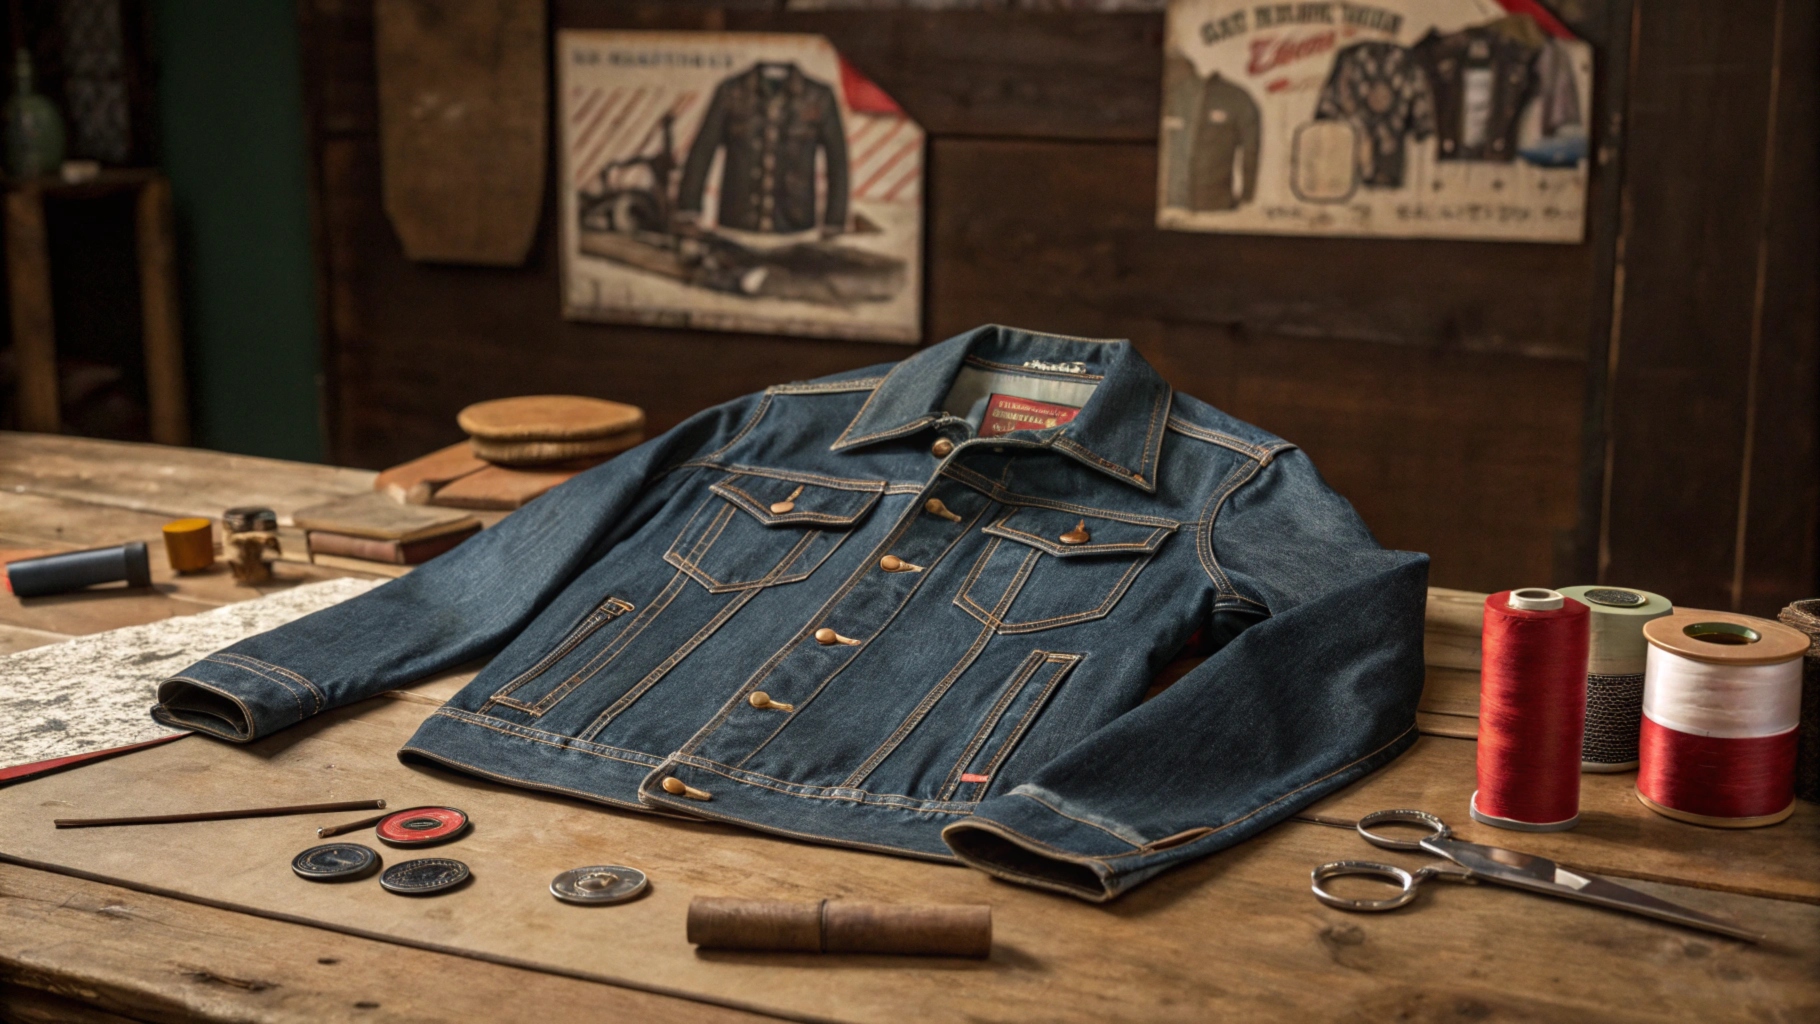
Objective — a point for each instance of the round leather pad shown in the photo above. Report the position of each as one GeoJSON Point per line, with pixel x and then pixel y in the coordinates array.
{"type": "Point", "coordinates": [549, 418]}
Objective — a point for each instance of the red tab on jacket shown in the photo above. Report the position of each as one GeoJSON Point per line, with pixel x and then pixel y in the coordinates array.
{"type": "Point", "coordinates": [1005, 413]}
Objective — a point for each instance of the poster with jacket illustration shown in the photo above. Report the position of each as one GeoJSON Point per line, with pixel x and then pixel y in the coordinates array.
{"type": "Point", "coordinates": [1389, 118]}
{"type": "Point", "coordinates": [736, 181]}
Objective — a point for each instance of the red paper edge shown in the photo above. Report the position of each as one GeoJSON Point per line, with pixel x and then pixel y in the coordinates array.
{"type": "Point", "coordinates": [25, 771]}
{"type": "Point", "coordinates": [863, 95]}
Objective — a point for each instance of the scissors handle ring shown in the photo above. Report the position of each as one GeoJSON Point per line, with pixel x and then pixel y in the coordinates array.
{"type": "Point", "coordinates": [1388, 872]}
{"type": "Point", "coordinates": [1438, 828]}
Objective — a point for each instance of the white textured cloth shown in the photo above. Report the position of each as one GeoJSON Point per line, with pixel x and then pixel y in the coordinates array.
{"type": "Point", "coordinates": [92, 693]}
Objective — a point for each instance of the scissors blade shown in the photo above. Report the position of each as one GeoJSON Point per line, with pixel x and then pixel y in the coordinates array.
{"type": "Point", "coordinates": [1541, 875]}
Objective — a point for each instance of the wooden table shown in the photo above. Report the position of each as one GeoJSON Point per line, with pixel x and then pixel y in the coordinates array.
{"type": "Point", "coordinates": [1235, 935]}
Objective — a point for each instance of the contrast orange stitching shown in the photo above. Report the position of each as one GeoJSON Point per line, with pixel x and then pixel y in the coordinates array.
{"type": "Point", "coordinates": [1064, 667]}
{"type": "Point", "coordinates": [1104, 608]}
{"type": "Point", "coordinates": [825, 387]}
{"type": "Point", "coordinates": [1015, 685]}
{"type": "Point", "coordinates": [800, 477]}
{"type": "Point", "coordinates": [1261, 807]}
{"type": "Point", "coordinates": [608, 654]}
{"type": "Point", "coordinates": [923, 707]}
{"type": "Point", "coordinates": [757, 414]}
{"type": "Point", "coordinates": [1070, 817]}
{"type": "Point", "coordinates": [905, 522]}
{"type": "Point", "coordinates": [998, 493]}
{"type": "Point", "coordinates": [1239, 477]}
{"type": "Point", "coordinates": [290, 691]}
{"type": "Point", "coordinates": [315, 691]}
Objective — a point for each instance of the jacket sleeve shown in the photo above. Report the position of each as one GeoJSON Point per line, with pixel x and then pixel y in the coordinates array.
{"type": "Point", "coordinates": [1319, 689]}
{"type": "Point", "coordinates": [708, 138]}
{"type": "Point", "coordinates": [834, 148]}
{"type": "Point", "coordinates": [464, 605]}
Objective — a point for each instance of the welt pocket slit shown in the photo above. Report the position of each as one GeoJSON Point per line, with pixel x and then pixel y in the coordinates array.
{"type": "Point", "coordinates": [608, 610]}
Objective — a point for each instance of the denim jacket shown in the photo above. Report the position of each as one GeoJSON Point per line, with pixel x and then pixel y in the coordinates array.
{"type": "Point", "coordinates": [833, 611]}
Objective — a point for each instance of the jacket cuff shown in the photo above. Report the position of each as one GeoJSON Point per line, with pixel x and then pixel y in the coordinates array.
{"type": "Point", "coordinates": [1022, 839]}
{"type": "Point", "coordinates": [236, 698]}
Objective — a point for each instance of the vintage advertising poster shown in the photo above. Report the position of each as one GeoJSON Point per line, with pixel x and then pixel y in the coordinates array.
{"type": "Point", "coordinates": [736, 181]}
{"type": "Point", "coordinates": [1391, 118]}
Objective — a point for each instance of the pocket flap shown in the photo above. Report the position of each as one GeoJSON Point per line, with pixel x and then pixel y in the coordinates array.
{"type": "Point", "coordinates": [781, 501]}
{"type": "Point", "coordinates": [1074, 535]}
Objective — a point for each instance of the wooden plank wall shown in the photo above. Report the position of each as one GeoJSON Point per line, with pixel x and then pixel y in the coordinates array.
{"type": "Point", "coordinates": [1458, 393]}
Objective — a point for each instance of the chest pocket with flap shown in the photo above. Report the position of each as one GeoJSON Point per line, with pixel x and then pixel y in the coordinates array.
{"type": "Point", "coordinates": [1030, 578]}
{"type": "Point", "coordinates": [763, 531]}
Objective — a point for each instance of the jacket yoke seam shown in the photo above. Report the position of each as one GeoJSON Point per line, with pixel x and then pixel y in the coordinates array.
{"type": "Point", "coordinates": [999, 493]}
{"type": "Point", "coordinates": [1240, 475]}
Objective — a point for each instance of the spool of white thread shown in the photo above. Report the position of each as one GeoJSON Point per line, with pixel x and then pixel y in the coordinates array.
{"type": "Point", "coordinates": [1616, 656]}
{"type": "Point", "coordinates": [1721, 703]}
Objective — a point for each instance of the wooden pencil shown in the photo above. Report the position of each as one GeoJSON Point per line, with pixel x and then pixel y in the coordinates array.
{"type": "Point", "coordinates": [244, 812]}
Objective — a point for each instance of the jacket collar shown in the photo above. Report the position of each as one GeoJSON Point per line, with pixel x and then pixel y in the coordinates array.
{"type": "Point", "coordinates": [1118, 432]}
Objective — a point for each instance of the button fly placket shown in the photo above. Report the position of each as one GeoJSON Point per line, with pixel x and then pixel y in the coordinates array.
{"type": "Point", "coordinates": [864, 607]}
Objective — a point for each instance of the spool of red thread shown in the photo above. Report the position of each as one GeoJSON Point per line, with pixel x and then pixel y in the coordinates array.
{"type": "Point", "coordinates": [1532, 710]}
{"type": "Point", "coordinates": [1721, 711]}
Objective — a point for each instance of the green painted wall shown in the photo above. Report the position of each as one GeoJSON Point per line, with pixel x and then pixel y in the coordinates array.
{"type": "Point", "coordinates": [231, 135]}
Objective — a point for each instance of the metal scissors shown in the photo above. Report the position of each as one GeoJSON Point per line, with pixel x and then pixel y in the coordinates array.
{"type": "Point", "coordinates": [1471, 862]}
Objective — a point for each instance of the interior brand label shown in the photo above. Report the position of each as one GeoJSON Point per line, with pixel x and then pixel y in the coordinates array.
{"type": "Point", "coordinates": [1005, 413]}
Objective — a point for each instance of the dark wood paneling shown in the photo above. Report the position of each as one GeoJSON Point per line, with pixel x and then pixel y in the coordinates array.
{"type": "Point", "coordinates": [1061, 236]}
{"type": "Point", "coordinates": [1409, 371]}
{"type": "Point", "coordinates": [1442, 386]}
{"type": "Point", "coordinates": [1700, 228]}
{"type": "Point", "coordinates": [975, 73]}
{"type": "Point", "coordinates": [1778, 562]}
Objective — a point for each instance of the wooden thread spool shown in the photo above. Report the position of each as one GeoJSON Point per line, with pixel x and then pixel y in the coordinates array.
{"type": "Point", "coordinates": [1615, 659]}
{"type": "Point", "coordinates": [1721, 706]}
{"type": "Point", "coordinates": [190, 544]}
{"type": "Point", "coordinates": [1805, 616]}
{"type": "Point", "coordinates": [831, 926]}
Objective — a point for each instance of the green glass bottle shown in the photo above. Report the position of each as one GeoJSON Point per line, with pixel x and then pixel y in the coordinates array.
{"type": "Point", "coordinates": [34, 129]}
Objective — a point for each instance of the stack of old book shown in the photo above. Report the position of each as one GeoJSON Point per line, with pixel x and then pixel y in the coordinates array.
{"type": "Point", "coordinates": [374, 534]}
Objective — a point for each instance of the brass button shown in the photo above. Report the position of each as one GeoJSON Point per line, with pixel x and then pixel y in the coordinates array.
{"type": "Point", "coordinates": [761, 699]}
{"type": "Point", "coordinates": [778, 508]}
{"type": "Point", "coordinates": [1078, 535]}
{"type": "Point", "coordinates": [935, 507]}
{"type": "Point", "coordinates": [891, 563]}
{"type": "Point", "coordinates": [828, 638]}
{"type": "Point", "coordinates": [941, 448]}
{"type": "Point", "coordinates": [676, 787]}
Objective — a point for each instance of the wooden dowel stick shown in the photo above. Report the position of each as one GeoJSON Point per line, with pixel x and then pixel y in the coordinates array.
{"type": "Point", "coordinates": [351, 826]}
{"type": "Point", "coordinates": [246, 812]}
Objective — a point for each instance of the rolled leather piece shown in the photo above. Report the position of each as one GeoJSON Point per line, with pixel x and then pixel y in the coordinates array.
{"type": "Point", "coordinates": [830, 926]}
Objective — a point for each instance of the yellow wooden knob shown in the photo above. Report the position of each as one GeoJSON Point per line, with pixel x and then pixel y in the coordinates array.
{"type": "Point", "coordinates": [190, 544]}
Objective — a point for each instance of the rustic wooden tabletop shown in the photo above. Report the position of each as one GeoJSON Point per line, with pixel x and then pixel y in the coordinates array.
{"type": "Point", "coordinates": [95, 932]}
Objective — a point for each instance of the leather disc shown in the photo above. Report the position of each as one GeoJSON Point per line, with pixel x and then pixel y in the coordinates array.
{"type": "Point", "coordinates": [549, 418]}
{"type": "Point", "coordinates": [542, 453]}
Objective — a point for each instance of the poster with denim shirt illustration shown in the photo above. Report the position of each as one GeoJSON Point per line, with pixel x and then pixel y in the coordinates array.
{"type": "Point", "coordinates": [1395, 119]}
{"type": "Point", "coordinates": [736, 181]}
